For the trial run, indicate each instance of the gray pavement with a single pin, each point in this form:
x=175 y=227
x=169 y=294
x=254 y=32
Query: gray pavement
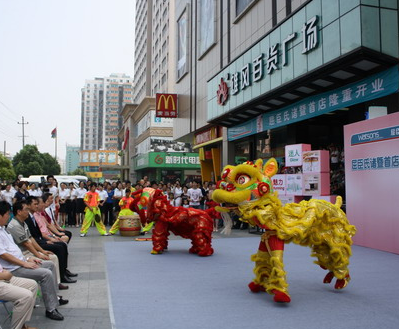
x=88 y=298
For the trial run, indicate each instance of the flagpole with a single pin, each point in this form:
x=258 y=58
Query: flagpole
x=56 y=136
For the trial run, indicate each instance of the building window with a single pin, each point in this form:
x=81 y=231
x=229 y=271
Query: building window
x=243 y=5
x=207 y=35
x=182 y=44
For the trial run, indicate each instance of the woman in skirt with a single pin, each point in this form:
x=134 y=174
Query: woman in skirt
x=64 y=196
x=71 y=206
x=80 y=205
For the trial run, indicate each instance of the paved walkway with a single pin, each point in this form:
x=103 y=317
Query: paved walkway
x=88 y=298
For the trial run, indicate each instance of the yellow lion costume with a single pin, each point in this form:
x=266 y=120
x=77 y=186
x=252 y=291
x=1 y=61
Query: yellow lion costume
x=247 y=189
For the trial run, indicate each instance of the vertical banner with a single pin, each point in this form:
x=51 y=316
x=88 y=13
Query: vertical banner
x=372 y=180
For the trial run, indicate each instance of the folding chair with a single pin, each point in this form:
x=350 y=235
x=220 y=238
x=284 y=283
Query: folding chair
x=9 y=313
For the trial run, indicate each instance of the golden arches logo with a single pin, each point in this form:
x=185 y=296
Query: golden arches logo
x=167 y=99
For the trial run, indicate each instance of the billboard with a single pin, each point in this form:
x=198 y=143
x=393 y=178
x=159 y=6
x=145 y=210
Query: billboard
x=372 y=180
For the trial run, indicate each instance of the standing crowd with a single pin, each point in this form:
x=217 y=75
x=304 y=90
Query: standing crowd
x=34 y=237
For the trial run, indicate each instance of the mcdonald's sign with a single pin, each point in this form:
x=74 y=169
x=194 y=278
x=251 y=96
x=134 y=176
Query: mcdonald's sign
x=166 y=106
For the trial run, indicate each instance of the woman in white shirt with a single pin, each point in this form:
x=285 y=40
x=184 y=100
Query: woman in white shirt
x=177 y=191
x=64 y=196
x=118 y=195
x=71 y=206
x=103 y=195
x=80 y=205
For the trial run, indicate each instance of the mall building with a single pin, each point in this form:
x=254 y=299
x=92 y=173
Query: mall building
x=256 y=75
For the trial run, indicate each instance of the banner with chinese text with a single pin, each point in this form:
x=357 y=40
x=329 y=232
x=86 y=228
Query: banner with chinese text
x=378 y=85
x=168 y=160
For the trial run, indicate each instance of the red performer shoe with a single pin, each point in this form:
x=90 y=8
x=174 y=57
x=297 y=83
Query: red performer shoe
x=281 y=297
x=342 y=283
x=254 y=287
x=328 y=278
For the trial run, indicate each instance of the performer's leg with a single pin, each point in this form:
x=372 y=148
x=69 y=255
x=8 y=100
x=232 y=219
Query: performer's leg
x=269 y=268
x=160 y=235
x=88 y=218
x=99 y=224
x=115 y=227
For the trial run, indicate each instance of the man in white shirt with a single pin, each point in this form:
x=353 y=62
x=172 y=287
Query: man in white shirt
x=52 y=189
x=8 y=194
x=195 y=196
x=20 y=291
x=12 y=260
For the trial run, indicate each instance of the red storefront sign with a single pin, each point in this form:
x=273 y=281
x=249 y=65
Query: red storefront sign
x=207 y=135
x=166 y=106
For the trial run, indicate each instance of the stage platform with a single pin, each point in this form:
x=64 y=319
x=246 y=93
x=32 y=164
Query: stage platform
x=180 y=290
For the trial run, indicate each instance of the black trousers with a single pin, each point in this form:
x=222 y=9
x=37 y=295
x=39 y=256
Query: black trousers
x=71 y=211
x=60 y=249
x=108 y=213
x=67 y=233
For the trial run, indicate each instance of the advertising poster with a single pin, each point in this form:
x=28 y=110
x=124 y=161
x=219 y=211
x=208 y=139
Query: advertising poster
x=372 y=180
x=279 y=182
x=85 y=156
x=316 y=161
x=293 y=154
x=93 y=156
x=294 y=184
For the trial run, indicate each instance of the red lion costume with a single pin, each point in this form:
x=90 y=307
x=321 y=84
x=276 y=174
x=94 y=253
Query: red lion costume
x=188 y=223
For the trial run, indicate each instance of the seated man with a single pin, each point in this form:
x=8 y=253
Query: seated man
x=48 y=214
x=49 y=198
x=23 y=238
x=12 y=259
x=58 y=248
x=20 y=291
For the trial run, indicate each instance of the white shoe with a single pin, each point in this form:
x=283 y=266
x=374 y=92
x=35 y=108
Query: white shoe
x=106 y=234
x=82 y=234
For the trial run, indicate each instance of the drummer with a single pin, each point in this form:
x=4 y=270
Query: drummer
x=124 y=203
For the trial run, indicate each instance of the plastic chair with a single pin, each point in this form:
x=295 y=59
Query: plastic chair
x=9 y=313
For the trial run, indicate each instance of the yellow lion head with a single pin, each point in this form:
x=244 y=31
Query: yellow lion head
x=245 y=183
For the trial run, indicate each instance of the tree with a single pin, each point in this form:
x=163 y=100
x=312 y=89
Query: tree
x=28 y=161
x=6 y=171
x=78 y=172
x=51 y=165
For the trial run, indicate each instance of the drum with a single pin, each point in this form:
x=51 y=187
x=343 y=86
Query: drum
x=129 y=225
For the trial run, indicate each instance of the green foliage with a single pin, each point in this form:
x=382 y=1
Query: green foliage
x=78 y=171
x=51 y=166
x=29 y=161
x=6 y=171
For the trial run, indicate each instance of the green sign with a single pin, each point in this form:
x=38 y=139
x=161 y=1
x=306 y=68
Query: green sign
x=168 y=160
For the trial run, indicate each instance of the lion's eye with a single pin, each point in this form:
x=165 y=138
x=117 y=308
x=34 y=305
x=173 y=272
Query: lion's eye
x=243 y=179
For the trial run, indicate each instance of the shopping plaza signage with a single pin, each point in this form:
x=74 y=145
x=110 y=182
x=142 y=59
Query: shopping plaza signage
x=168 y=160
x=320 y=33
x=376 y=86
x=255 y=71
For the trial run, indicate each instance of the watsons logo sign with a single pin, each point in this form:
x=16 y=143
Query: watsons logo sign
x=375 y=135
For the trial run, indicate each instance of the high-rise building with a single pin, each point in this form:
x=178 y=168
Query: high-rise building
x=72 y=158
x=154 y=69
x=102 y=102
x=154 y=72
x=142 y=60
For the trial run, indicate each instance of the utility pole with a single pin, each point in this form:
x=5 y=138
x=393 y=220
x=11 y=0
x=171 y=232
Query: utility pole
x=23 y=123
x=5 y=142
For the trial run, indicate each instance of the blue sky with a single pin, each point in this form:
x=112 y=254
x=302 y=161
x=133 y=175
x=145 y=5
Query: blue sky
x=47 y=50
